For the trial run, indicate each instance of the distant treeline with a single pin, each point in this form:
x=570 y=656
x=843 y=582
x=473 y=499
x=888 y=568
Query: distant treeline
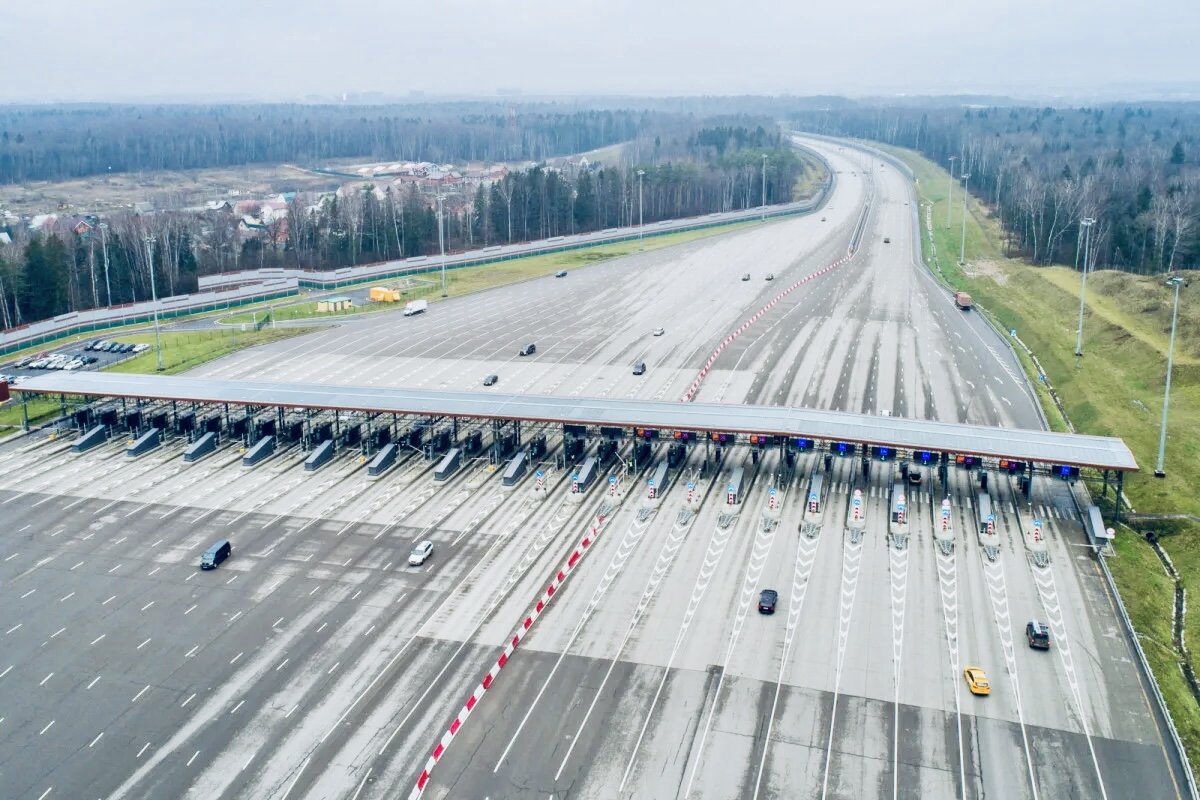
x=689 y=170
x=58 y=142
x=1134 y=169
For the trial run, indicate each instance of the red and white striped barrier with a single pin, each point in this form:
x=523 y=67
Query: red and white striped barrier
x=509 y=649
x=712 y=359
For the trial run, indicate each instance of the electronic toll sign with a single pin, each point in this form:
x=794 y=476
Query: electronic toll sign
x=1014 y=467
x=802 y=444
x=966 y=462
x=684 y=436
x=1067 y=473
x=761 y=439
x=843 y=448
x=646 y=433
x=883 y=453
x=924 y=456
x=722 y=438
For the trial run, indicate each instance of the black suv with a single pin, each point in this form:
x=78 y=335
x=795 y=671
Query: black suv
x=1038 y=635
x=528 y=350
x=767 y=599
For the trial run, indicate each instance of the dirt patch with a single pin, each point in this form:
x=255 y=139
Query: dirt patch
x=987 y=268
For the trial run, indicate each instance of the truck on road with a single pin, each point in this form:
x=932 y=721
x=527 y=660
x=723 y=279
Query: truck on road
x=415 y=307
x=961 y=299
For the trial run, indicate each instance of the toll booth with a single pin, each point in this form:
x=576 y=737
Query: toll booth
x=95 y=436
x=321 y=454
x=185 y=423
x=582 y=478
x=816 y=490
x=515 y=469
x=448 y=465
x=133 y=420
x=733 y=492
x=144 y=443
x=383 y=460
x=656 y=484
x=1097 y=533
x=987 y=521
x=261 y=449
x=899 y=505
x=200 y=448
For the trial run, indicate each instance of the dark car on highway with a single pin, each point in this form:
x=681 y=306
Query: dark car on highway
x=528 y=350
x=767 y=599
x=490 y=380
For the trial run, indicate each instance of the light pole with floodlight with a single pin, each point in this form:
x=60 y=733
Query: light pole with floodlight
x=1086 y=223
x=1175 y=281
x=640 y=173
x=950 y=192
x=962 y=253
x=149 y=240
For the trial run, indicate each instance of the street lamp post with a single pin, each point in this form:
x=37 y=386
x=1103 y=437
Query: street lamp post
x=962 y=253
x=104 y=247
x=640 y=173
x=1086 y=223
x=950 y=192
x=149 y=240
x=441 y=238
x=1175 y=281
x=764 y=187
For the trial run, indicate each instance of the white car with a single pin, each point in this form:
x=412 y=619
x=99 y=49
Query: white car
x=141 y=348
x=420 y=552
x=659 y=331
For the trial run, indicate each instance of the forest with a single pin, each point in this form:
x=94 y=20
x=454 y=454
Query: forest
x=1134 y=169
x=58 y=142
x=687 y=168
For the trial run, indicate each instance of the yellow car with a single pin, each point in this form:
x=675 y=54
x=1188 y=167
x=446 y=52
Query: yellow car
x=977 y=681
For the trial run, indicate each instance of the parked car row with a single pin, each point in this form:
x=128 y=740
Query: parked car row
x=102 y=346
x=64 y=361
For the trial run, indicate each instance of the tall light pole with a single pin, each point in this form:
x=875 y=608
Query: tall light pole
x=1175 y=281
x=104 y=247
x=1086 y=223
x=950 y=191
x=149 y=240
x=962 y=253
x=764 y=187
x=640 y=174
x=441 y=237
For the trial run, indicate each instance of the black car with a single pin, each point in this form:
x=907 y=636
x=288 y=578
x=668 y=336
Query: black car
x=914 y=476
x=639 y=368
x=562 y=273
x=490 y=380
x=767 y=599
x=1038 y=635
x=528 y=350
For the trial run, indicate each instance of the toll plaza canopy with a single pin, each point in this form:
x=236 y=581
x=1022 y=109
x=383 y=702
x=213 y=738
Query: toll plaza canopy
x=1100 y=452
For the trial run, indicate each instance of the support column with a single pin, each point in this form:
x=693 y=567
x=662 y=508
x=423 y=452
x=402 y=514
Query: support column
x=337 y=430
x=1120 y=489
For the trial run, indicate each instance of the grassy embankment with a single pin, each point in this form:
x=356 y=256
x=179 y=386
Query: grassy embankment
x=489 y=276
x=1115 y=390
x=181 y=351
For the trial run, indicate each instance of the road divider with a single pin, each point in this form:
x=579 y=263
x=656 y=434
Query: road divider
x=728 y=340
x=514 y=641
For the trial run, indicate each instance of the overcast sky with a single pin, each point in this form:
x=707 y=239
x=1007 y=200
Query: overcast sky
x=290 y=49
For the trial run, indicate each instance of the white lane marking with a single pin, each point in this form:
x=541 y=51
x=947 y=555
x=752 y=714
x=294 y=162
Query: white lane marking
x=851 y=560
x=190 y=610
x=143 y=644
x=57 y=632
x=42 y=732
x=191 y=652
x=191 y=697
x=335 y=666
x=137 y=696
x=114 y=569
x=13 y=628
x=93 y=683
x=48 y=677
x=43 y=795
x=296 y=780
x=282 y=664
x=234 y=618
x=235 y=708
x=7 y=670
x=10 y=558
x=147 y=605
x=98 y=735
x=66 y=597
x=156 y=569
x=98 y=638
x=231 y=580
x=31 y=591
x=275 y=624
x=139 y=752
x=235 y=658
x=193 y=758
x=358 y=791
x=248 y=760
x=109 y=600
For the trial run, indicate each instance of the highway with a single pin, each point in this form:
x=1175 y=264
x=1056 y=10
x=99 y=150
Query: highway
x=316 y=663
